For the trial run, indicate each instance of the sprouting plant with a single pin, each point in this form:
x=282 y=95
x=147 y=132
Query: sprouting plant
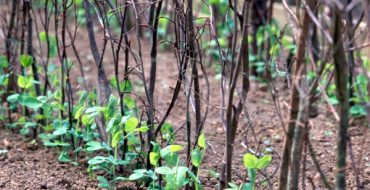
x=252 y=164
x=27 y=97
x=175 y=174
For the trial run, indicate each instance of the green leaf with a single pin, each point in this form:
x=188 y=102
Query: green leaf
x=103 y=182
x=126 y=86
x=3 y=62
x=43 y=36
x=196 y=157
x=164 y=170
x=175 y=148
x=167 y=128
x=151 y=174
x=25 y=131
x=116 y=138
x=24 y=82
x=233 y=185
x=30 y=102
x=264 y=162
x=181 y=179
x=167 y=133
x=79 y=112
x=83 y=97
x=202 y=141
x=250 y=161
x=97 y=160
x=165 y=151
x=195 y=178
x=62 y=144
x=4 y=79
x=171 y=159
x=63 y=157
x=153 y=158
x=26 y=60
x=12 y=98
x=42 y=99
x=357 y=110
x=119 y=179
x=136 y=176
x=113 y=102
x=247 y=186
x=85 y=120
x=93 y=146
x=156 y=146
x=142 y=171
x=60 y=131
x=333 y=100
x=131 y=124
x=129 y=102
x=95 y=109
x=122 y=162
x=111 y=124
x=252 y=176
x=142 y=129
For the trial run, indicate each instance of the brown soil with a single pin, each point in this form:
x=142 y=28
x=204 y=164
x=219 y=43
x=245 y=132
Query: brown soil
x=29 y=166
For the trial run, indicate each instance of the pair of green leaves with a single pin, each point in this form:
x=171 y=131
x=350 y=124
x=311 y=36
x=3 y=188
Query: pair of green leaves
x=169 y=150
x=130 y=127
x=104 y=183
x=27 y=100
x=154 y=158
x=26 y=60
x=103 y=159
x=252 y=162
x=94 y=146
x=125 y=85
x=26 y=81
x=197 y=154
x=140 y=173
x=175 y=177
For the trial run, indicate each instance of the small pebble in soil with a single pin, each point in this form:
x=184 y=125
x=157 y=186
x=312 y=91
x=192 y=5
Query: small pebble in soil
x=317 y=178
x=220 y=130
x=277 y=139
x=367 y=171
x=44 y=186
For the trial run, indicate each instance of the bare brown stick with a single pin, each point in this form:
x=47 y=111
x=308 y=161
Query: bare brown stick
x=295 y=99
x=35 y=74
x=233 y=111
x=341 y=82
x=153 y=22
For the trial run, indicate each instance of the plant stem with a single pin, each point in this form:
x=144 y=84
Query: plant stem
x=341 y=82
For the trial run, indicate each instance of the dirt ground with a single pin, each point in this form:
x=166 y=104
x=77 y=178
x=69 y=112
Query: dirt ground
x=30 y=167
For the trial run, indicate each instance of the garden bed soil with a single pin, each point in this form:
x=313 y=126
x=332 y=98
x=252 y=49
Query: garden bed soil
x=28 y=165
